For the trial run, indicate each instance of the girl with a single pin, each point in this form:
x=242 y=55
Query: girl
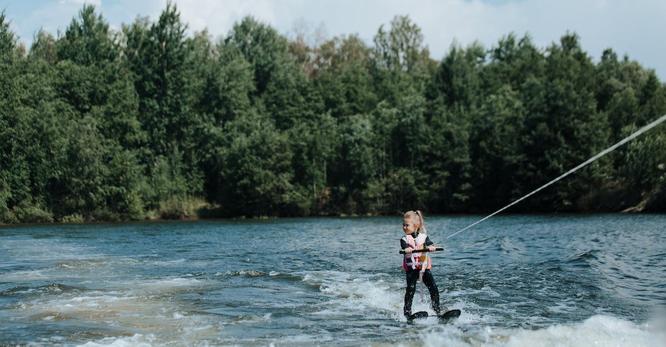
x=417 y=264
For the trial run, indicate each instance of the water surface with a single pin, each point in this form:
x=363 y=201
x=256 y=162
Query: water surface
x=519 y=280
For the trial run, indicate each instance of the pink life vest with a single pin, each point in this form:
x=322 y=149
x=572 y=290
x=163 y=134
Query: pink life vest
x=416 y=260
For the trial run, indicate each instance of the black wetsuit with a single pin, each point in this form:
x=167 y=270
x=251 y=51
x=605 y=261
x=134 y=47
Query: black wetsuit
x=412 y=276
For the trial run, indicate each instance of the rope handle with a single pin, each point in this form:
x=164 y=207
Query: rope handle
x=422 y=250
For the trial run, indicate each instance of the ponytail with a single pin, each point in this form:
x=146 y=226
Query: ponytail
x=422 y=227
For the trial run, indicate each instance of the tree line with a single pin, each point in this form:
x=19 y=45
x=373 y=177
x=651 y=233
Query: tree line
x=150 y=121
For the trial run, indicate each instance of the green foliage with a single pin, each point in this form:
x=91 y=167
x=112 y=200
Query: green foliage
x=262 y=47
x=456 y=81
x=7 y=40
x=97 y=179
x=495 y=148
x=181 y=208
x=562 y=125
x=313 y=144
x=228 y=86
x=401 y=63
x=152 y=122
x=254 y=168
x=397 y=192
x=44 y=47
x=73 y=219
x=158 y=55
x=644 y=166
x=87 y=40
x=356 y=163
x=165 y=181
x=400 y=48
x=281 y=87
x=344 y=79
x=33 y=214
x=6 y=214
x=447 y=162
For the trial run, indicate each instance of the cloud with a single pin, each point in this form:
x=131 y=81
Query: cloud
x=622 y=25
x=219 y=16
x=636 y=29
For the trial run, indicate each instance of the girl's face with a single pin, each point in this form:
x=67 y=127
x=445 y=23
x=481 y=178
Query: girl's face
x=409 y=225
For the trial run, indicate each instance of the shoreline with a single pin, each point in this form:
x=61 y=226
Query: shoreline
x=338 y=216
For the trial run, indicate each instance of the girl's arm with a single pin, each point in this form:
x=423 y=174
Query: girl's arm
x=405 y=247
x=429 y=244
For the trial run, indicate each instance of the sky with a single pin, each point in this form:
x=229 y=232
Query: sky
x=635 y=28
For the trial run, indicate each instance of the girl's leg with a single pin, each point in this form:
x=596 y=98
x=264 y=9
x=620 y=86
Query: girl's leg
x=412 y=277
x=429 y=281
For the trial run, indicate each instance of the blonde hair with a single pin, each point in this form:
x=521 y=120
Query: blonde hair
x=419 y=217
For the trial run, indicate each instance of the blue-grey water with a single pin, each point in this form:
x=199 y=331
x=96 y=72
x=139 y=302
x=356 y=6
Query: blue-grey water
x=519 y=281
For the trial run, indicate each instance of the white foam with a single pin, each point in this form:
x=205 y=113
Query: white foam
x=597 y=330
x=94 y=305
x=176 y=262
x=66 y=259
x=46 y=250
x=143 y=309
x=175 y=282
x=28 y=275
x=355 y=293
x=247 y=273
x=137 y=340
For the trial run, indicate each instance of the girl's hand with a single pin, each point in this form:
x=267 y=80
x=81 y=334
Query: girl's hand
x=432 y=248
x=408 y=250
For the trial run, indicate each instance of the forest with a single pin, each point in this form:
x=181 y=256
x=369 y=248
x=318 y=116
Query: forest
x=152 y=121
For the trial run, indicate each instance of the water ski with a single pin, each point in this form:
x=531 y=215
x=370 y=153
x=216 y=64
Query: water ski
x=448 y=315
x=443 y=318
x=417 y=315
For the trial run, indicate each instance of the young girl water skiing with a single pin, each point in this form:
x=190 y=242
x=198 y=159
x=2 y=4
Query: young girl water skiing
x=417 y=265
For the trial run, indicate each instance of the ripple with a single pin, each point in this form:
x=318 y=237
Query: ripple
x=52 y=288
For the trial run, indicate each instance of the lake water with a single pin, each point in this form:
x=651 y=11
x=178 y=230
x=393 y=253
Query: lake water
x=519 y=281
